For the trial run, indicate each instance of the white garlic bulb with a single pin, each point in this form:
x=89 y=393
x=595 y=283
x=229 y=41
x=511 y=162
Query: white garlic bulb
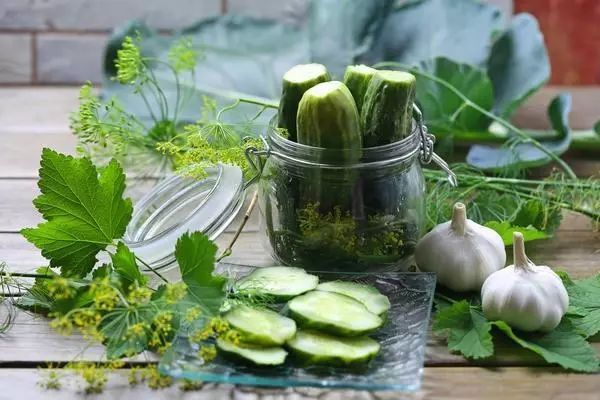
x=461 y=252
x=526 y=296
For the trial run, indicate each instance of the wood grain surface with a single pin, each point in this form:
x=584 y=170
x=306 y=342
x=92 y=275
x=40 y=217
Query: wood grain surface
x=31 y=343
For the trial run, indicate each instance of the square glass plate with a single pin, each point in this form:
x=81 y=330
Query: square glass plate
x=398 y=366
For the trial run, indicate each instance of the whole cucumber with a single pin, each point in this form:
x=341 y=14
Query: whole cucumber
x=296 y=82
x=386 y=115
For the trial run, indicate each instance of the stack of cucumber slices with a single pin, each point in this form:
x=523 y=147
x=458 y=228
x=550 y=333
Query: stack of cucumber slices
x=324 y=323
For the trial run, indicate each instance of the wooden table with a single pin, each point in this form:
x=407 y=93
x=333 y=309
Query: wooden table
x=31 y=118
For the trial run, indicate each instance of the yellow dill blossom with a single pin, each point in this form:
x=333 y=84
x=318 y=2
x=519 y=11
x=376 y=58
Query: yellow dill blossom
x=175 y=292
x=59 y=288
x=62 y=325
x=218 y=326
x=154 y=379
x=134 y=376
x=162 y=322
x=84 y=318
x=116 y=364
x=137 y=331
x=182 y=56
x=233 y=336
x=138 y=296
x=187 y=385
x=95 y=378
x=207 y=352
x=155 y=340
x=105 y=297
x=200 y=335
x=162 y=349
x=128 y=62
x=192 y=314
x=51 y=378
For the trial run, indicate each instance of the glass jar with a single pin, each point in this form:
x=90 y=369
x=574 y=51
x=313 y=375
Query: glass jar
x=180 y=204
x=322 y=212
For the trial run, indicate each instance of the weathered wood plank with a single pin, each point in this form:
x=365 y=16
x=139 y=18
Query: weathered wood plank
x=17 y=211
x=574 y=251
x=21 y=256
x=466 y=383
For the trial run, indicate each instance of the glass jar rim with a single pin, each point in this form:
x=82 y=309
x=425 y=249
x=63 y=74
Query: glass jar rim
x=393 y=153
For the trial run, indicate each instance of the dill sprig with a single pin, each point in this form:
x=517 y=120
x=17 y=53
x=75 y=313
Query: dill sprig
x=498 y=198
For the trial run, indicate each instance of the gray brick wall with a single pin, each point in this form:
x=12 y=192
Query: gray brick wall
x=61 y=41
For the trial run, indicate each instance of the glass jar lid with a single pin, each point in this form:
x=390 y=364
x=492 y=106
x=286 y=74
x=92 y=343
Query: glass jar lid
x=181 y=204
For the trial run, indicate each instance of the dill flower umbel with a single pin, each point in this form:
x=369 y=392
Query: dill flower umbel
x=182 y=56
x=60 y=288
x=105 y=297
x=175 y=292
x=207 y=352
x=128 y=62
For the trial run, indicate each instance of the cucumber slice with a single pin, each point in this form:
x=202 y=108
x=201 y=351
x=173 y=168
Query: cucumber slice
x=386 y=114
x=366 y=294
x=334 y=313
x=357 y=78
x=282 y=283
x=320 y=348
x=261 y=326
x=296 y=81
x=251 y=354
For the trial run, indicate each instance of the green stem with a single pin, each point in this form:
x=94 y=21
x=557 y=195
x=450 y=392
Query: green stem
x=587 y=140
x=267 y=104
x=26 y=275
x=145 y=264
x=525 y=137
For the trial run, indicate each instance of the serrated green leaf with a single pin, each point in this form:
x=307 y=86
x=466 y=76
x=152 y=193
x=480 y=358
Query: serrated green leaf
x=468 y=330
x=506 y=230
x=126 y=267
x=84 y=211
x=538 y=215
x=195 y=254
x=563 y=346
x=584 y=304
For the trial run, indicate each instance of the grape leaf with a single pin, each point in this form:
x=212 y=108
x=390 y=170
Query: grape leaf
x=563 y=346
x=195 y=254
x=506 y=230
x=84 y=211
x=584 y=303
x=126 y=267
x=468 y=330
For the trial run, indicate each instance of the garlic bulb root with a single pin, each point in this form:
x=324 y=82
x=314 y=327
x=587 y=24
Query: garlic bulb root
x=461 y=252
x=528 y=297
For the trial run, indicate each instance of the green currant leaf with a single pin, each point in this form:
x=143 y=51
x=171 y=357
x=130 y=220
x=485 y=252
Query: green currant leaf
x=584 y=304
x=506 y=230
x=468 y=330
x=126 y=267
x=195 y=254
x=84 y=211
x=563 y=346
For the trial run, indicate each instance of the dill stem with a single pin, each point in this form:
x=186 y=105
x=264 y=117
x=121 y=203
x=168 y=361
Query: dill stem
x=227 y=251
x=145 y=264
x=26 y=275
x=259 y=102
x=525 y=137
